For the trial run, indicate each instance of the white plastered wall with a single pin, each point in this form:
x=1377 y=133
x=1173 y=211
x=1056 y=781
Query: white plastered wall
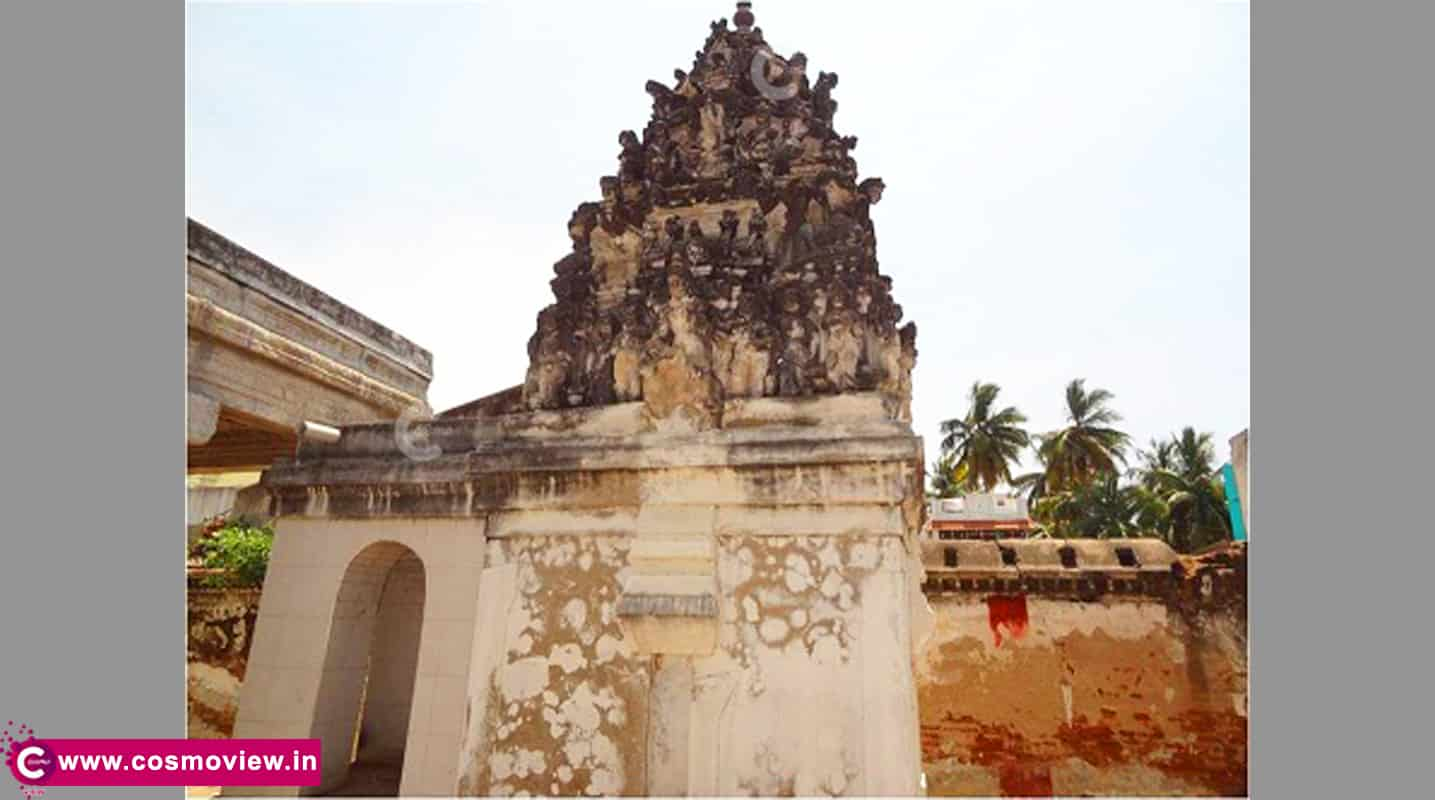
x=279 y=698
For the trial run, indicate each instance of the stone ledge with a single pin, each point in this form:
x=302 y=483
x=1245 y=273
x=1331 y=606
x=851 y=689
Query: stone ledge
x=864 y=415
x=246 y=336
x=229 y=258
x=725 y=480
x=371 y=454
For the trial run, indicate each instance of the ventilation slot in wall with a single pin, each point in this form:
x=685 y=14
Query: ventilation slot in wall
x=1126 y=557
x=1068 y=557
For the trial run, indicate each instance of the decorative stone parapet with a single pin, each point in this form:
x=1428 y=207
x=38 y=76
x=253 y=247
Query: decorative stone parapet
x=1077 y=568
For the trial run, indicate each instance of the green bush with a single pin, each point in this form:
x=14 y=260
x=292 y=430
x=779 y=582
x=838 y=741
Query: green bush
x=238 y=548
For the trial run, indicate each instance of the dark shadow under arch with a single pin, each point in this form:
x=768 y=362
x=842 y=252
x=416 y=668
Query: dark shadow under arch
x=370 y=666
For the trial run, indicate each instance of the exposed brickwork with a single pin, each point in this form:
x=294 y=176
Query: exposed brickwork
x=1031 y=695
x=221 y=630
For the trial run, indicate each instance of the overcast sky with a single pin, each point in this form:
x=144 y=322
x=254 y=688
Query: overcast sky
x=1067 y=182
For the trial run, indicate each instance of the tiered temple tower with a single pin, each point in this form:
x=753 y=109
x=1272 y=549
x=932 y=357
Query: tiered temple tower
x=682 y=560
x=733 y=254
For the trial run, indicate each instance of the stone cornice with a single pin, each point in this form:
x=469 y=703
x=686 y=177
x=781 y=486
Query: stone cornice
x=593 y=467
x=232 y=329
x=239 y=264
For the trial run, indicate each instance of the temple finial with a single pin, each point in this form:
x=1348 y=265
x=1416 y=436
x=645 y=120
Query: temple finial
x=743 y=19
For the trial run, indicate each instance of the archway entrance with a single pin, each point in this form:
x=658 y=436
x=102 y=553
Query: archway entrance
x=367 y=687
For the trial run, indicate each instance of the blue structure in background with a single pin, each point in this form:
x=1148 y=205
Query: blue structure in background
x=1233 y=503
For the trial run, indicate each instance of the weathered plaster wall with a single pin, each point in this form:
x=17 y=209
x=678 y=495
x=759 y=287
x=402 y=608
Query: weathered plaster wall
x=815 y=637
x=566 y=710
x=221 y=627
x=728 y=612
x=1025 y=695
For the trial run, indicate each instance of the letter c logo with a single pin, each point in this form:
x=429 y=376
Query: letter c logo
x=22 y=762
x=34 y=762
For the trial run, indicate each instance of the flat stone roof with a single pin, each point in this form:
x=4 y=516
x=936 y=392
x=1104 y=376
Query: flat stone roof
x=243 y=266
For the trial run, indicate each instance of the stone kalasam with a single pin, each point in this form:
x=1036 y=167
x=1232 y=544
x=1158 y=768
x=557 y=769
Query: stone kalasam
x=733 y=255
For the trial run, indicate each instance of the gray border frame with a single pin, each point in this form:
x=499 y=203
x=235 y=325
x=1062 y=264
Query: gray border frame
x=1342 y=133
x=92 y=316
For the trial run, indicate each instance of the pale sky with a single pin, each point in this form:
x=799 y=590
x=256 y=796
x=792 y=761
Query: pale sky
x=1068 y=183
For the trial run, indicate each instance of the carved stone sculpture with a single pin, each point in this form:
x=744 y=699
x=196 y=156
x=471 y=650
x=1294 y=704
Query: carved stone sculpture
x=733 y=254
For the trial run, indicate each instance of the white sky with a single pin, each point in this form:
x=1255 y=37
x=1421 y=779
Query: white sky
x=1067 y=182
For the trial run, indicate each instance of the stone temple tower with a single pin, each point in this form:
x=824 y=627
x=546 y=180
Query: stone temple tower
x=681 y=558
x=732 y=256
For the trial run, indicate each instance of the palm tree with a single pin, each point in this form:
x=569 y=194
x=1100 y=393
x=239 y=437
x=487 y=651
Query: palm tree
x=1161 y=456
x=1102 y=509
x=1088 y=446
x=985 y=444
x=947 y=478
x=1033 y=482
x=1188 y=483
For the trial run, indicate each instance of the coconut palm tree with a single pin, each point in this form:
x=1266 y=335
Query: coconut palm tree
x=985 y=444
x=1161 y=456
x=1102 y=509
x=1033 y=483
x=1188 y=483
x=1088 y=446
x=947 y=479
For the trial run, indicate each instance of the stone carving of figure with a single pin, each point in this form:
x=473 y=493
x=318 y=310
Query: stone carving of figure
x=684 y=321
x=673 y=229
x=793 y=367
x=710 y=139
x=630 y=160
x=682 y=84
x=871 y=189
x=844 y=341
x=798 y=357
x=595 y=348
x=728 y=228
x=627 y=358
x=756 y=233
x=666 y=103
x=652 y=240
x=823 y=106
x=696 y=246
x=676 y=165
x=907 y=359
x=744 y=367
x=548 y=364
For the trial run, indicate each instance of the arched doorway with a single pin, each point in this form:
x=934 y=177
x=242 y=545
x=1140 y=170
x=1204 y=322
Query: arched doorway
x=367 y=687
